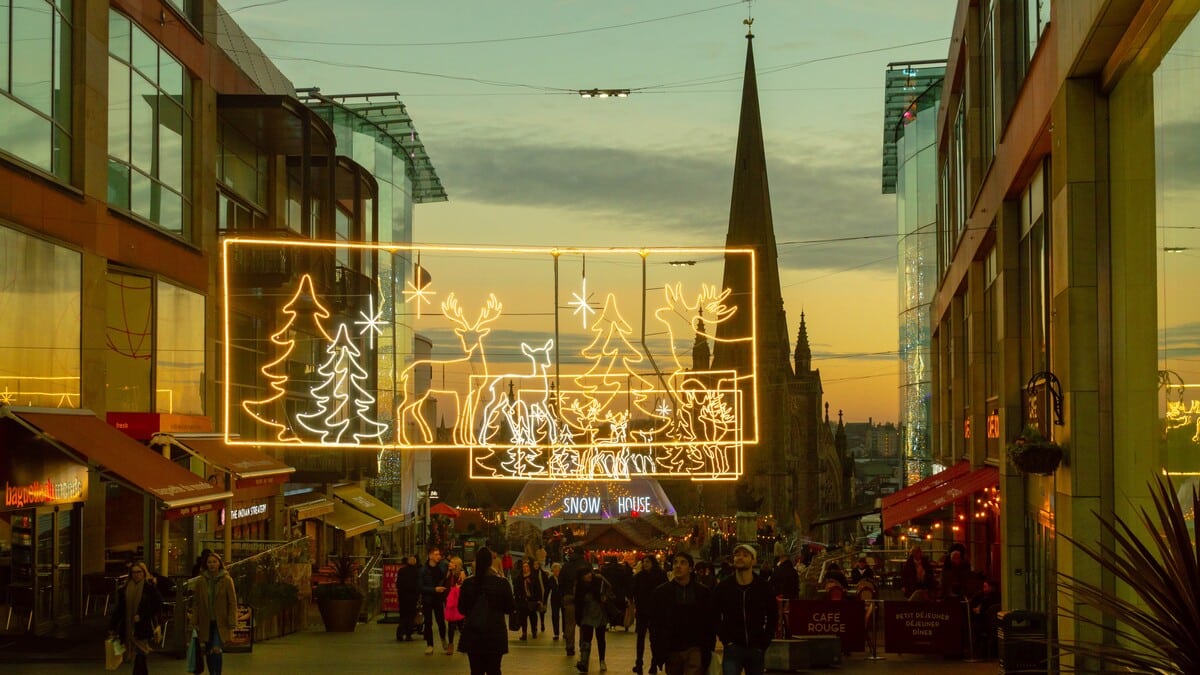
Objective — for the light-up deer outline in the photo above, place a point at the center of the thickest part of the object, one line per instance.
(470, 335)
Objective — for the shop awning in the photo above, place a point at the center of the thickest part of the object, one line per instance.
(359, 499)
(250, 466)
(309, 505)
(79, 433)
(351, 521)
(941, 489)
(847, 514)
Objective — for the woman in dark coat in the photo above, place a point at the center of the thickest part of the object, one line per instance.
(591, 593)
(138, 603)
(650, 577)
(485, 600)
(529, 594)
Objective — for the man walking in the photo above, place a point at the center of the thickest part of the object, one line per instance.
(682, 626)
(571, 571)
(432, 582)
(746, 615)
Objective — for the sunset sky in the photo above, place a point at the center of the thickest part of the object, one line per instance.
(526, 161)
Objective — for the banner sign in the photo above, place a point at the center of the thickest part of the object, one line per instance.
(242, 637)
(843, 618)
(391, 597)
(919, 627)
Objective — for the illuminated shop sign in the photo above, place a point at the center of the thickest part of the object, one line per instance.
(593, 505)
(248, 511)
(577, 373)
(45, 492)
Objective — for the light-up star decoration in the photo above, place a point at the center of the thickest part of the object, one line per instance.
(663, 409)
(582, 302)
(418, 290)
(371, 322)
(7, 396)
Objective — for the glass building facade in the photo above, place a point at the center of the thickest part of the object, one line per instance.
(35, 83)
(913, 95)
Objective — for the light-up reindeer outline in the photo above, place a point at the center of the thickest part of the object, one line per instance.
(470, 335)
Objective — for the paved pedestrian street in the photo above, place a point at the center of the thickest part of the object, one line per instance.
(373, 649)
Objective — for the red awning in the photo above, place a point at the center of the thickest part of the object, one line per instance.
(91, 440)
(941, 489)
(250, 466)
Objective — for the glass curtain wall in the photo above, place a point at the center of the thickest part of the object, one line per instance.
(179, 355)
(35, 83)
(39, 353)
(916, 191)
(149, 129)
(1177, 249)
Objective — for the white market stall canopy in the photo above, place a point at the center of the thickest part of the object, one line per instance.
(553, 504)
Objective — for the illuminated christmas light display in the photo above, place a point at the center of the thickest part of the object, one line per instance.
(622, 403)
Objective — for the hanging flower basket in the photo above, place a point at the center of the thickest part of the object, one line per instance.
(1031, 453)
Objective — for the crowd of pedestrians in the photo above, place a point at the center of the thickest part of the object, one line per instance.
(678, 611)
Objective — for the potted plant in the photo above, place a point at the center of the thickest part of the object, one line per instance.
(340, 601)
(1033, 453)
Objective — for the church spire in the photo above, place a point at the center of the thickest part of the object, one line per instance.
(751, 226)
(803, 354)
(701, 357)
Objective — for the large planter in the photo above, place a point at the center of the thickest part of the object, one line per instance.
(1039, 458)
(340, 616)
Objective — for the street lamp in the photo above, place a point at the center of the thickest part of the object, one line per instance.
(603, 93)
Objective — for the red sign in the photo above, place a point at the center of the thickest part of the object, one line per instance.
(967, 428)
(391, 598)
(843, 618)
(143, 426)
(256, 481)
(919, 627)
(993, 425)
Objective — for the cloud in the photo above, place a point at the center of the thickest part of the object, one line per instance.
(816, 192)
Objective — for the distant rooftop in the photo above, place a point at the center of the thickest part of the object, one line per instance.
(906, 83)
(384, 115)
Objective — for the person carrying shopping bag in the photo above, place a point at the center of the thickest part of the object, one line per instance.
(134, 621)
(215, 608)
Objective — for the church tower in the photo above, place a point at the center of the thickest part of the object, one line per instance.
(769, 464)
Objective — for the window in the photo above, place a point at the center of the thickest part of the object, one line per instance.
(129, 341)
(1037, 19)
(1033, 254)
(179, 353)
(40, 353)
(987, 83)
(241, 168)
(35, 83)
(149, 129)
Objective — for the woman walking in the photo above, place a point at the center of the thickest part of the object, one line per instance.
(529, 594)
(216, 611)
(138, 603)
(485, 600)
(455, 576)
(590, 594)
(650, 577)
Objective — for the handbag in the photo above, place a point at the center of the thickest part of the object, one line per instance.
(515, 620)
(452, 613)
(195, 657)
(114, 654)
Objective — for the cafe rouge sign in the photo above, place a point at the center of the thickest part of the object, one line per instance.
(33, 478)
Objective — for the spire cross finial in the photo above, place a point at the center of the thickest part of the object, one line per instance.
(749, 20)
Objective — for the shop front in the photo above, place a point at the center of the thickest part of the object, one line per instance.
(253, 517)
(39, 530)
(68, 477)
(387, 517)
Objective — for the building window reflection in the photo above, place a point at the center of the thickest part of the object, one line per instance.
(1176, 140)
(179, 356)
(149, 129)
(39, 354)
(35, 83)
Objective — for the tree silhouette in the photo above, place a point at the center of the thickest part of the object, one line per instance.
(341, 395)
(266, 410)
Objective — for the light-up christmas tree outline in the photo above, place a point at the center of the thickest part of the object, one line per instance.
(341, 395)
(276, 371)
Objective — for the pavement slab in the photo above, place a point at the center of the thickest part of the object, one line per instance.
(372, 649)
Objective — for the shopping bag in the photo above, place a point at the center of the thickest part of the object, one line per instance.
(195, 655)
(714, 665)
(630, 615)
(114, 653)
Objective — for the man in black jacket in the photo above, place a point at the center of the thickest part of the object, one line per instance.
(571, 571)
(746, 615)
(682, 626)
